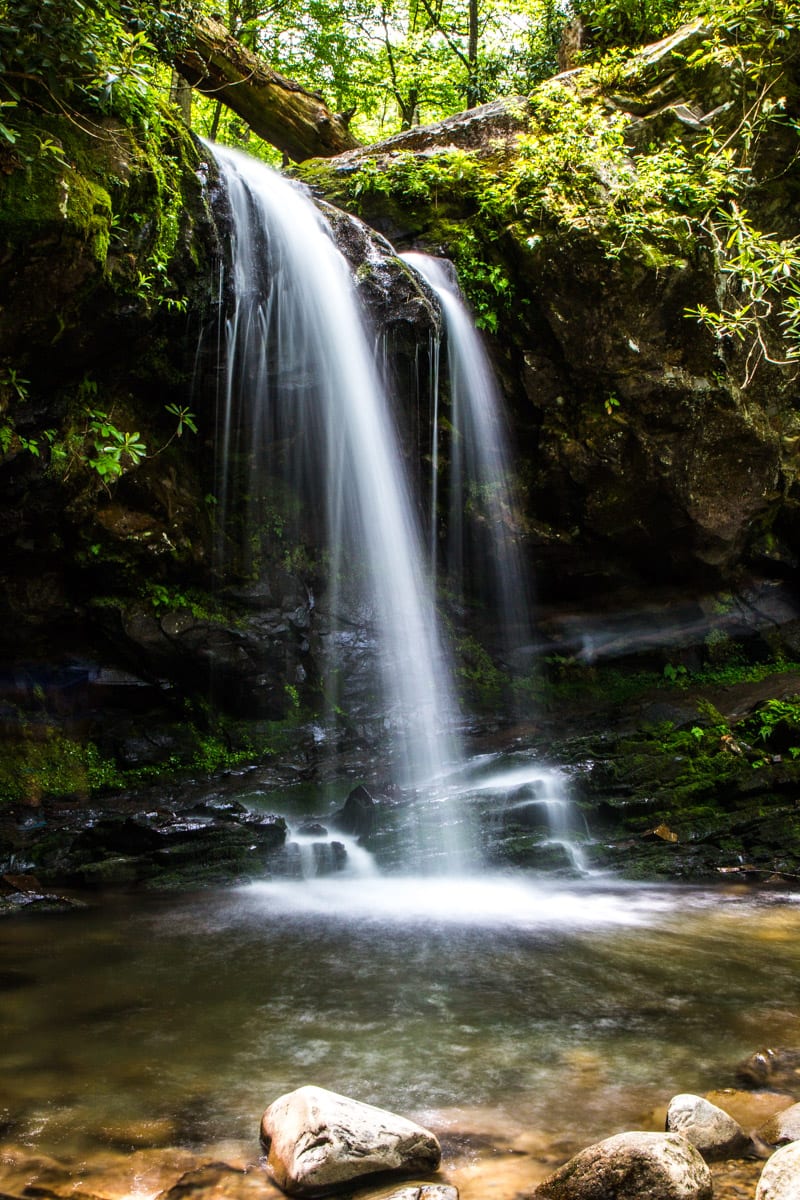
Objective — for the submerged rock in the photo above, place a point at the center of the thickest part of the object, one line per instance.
(772, 1067)
(780, 1179)
(318, 1141)
(216, 1181)
(751, 1109)
(415, 1191)
(710, 1129)
(632, 1166)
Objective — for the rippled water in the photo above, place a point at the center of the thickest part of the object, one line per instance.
(519, 1016)
(573, 1008)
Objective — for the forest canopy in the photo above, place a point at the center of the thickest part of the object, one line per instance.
(366, 69)
(384, 64)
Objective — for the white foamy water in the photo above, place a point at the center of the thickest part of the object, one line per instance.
(491, 901)
(301, 385)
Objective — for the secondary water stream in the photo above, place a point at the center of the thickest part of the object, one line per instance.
(482, 556)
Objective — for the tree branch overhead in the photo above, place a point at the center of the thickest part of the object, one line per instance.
(277, 109)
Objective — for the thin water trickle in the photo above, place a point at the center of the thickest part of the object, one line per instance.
(329, 854)
(482, 556)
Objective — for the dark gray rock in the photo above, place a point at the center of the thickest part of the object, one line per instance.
(357, 815)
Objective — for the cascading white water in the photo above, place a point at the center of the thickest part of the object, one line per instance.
(303, 401)
(479, 471)
(303, 410)
(316, 855)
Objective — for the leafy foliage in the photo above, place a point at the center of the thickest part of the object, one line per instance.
(626, 23)
(764, 282)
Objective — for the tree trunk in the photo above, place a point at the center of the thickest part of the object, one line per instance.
(180, 93)
(473, 84)
(275, 108)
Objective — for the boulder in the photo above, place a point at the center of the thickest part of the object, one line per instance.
(416, 1191)
(632, 1166)
(710, 1129)
(357, 814)
(319, 1142)
(782, 1127)
(780, 1179)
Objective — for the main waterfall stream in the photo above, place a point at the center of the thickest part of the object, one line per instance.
(520, 1016)
(301, 383)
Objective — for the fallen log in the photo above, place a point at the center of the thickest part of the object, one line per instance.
(279, 110)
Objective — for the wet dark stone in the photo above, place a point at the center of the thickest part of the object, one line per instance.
(312, 829)
(533, 815)
(14, 981)
(772, 1067)
(160, 848)
(357, 815)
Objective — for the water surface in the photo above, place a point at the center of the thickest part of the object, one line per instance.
(561, 1008)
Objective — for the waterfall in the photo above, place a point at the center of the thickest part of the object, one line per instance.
(305, 440)
(303, 409)
(482, 555)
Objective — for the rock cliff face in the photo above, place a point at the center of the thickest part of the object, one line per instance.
(123, 595)
(655, 464)
(650, 453)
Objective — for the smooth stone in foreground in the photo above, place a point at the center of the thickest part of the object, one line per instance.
(711, 1130)
(632, 1166)
(783, 1127)
(780, 1179)
(318, 1142)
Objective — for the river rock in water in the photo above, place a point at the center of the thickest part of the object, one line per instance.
(318, 1142)
(783, 1127)
(751, 1109)
(357, 814)
(780, 1179)
(632, 1166)
(710, 1129)
(773, 1068)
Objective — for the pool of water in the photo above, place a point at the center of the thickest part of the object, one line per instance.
(503, 1009)
(566, 1007)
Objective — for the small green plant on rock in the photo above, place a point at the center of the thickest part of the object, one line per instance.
(762, 310)
(114, 450)
(776, 724)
